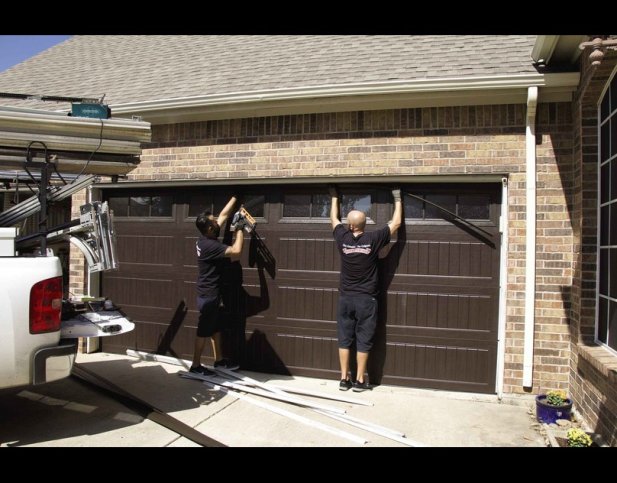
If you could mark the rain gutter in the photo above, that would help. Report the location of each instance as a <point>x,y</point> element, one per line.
<point>530,252</point>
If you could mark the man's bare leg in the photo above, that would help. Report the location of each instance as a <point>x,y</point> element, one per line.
<point>200,343</point>
<point>216,346</point>
<point>362,358</point>
<point>343,355</point>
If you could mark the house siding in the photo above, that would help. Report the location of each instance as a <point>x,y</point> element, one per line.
<point>429,141</point>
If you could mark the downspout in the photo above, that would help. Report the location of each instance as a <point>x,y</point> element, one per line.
<point>530,254</point>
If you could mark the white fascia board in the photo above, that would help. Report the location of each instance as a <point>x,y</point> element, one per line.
<point>454,84</point>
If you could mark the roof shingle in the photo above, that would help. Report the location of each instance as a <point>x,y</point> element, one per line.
<point>131,68</point>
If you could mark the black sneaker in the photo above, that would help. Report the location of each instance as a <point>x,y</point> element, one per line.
<point>202,370</point>
<point>345,385</point>
<point>361,386</point>
<point>226,364</point>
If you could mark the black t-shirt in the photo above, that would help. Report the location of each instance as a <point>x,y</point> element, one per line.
<point>359,259</point>
<point>210,258</point>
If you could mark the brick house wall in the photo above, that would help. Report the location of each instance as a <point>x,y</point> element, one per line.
<point>425,141</point>
<point>77,268</point>
<point>593,370</point>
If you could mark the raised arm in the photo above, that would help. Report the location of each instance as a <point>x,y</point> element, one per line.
<point>397,217</point>
<point>334,211</point>
<point>235,250</point>
<point>225,212</point>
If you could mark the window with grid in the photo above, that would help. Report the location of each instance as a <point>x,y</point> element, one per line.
<point>215,202</point>
<point>147,206</point>
<point>468,206</point>
<point>606,327</point>
<point>306,206</point>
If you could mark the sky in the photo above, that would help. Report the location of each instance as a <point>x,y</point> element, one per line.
<point>17,48</point>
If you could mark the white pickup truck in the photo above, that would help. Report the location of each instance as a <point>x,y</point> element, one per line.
<point>39,323</point>
<point>31,350</point>
<point>38,329</point>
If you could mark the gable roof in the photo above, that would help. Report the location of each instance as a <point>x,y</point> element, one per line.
<point>133,69</point>
<point>130,68</point>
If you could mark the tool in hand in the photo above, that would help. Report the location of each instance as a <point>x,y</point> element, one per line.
<point>243,220</point>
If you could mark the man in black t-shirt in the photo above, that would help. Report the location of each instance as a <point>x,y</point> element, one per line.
<point>210,256</point>
<point>357,306</point>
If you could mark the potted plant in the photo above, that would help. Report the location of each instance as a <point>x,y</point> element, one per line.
<point>577,438</point>
<point>552,406</point>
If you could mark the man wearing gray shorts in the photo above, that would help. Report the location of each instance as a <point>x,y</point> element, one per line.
<point>357,306</point>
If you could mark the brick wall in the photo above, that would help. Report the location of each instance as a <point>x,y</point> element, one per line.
<point>592,383</point>
<point>77,269</point>
<point>447,140</point>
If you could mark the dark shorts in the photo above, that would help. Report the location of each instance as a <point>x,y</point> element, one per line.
<point>357,317</point>
<point>208,316</point>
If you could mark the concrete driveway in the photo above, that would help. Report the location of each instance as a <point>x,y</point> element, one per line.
<point>69,413</point>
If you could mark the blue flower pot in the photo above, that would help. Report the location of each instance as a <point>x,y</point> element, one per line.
<point>545,413</point>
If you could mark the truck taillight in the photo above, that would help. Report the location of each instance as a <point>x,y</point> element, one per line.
<point>46,305</point>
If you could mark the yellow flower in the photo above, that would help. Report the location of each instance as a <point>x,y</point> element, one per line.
<point>556,397</point>
<point>577,438</point>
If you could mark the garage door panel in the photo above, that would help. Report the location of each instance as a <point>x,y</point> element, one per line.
<point>307,303</point>
<point>437,362</point>
<point>291,350</point>
<point>399,333</point>
<point>438,315</point>
<point>140,291</point>
<point>461,312</point>
<point>158,250</point>
<point>147,314</point>
<point>452,259</point>
<point>306,253</point>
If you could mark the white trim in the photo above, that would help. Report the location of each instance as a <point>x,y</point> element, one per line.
<point>607,297</point>
<point>503,290</point>
<point>353,96</point>
<point>569,79</point>
<point>530,252</point>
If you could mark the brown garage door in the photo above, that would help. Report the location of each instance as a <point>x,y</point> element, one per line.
<point>440,280</point>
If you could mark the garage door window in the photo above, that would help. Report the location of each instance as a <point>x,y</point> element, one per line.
<point>141,206</point>
<point>468,206</point>
<point>215,202</point>
<point>356,201</point>
<point>254,204</point>
<point>306,206</point>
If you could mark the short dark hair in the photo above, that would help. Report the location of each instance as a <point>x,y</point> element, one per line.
<point>203,222</point>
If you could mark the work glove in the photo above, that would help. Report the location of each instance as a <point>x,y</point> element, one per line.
<point>396,194</point>
<point>237,221</point>
<point>332,190</point>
